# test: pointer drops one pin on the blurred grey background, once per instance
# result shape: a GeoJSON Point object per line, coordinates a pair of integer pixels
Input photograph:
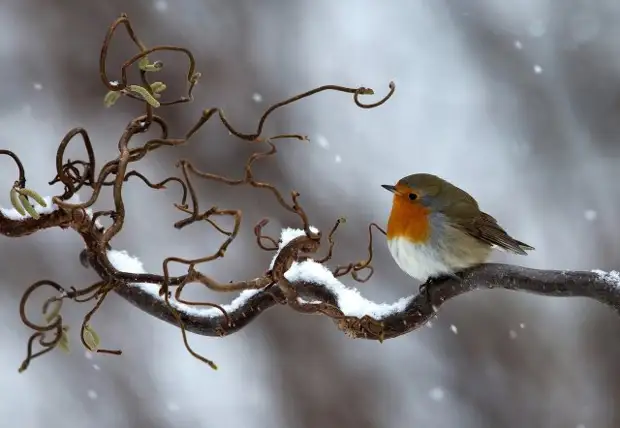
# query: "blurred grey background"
{"type": "Point", "coordinates": [517, 102]}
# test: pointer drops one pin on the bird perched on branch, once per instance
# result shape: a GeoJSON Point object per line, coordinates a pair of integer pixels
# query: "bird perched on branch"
{"type": "Point", "coordinates": [436, 229]}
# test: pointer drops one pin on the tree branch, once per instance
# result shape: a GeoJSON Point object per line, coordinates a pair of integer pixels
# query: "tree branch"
{"type": "Point", "coordinates": [361, 318]}
{"type": "Point", "coordinates": [321, 292]}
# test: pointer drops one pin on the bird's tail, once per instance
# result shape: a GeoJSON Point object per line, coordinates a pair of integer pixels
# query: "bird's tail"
{"type": "Point", "coordinates": [487, 230]}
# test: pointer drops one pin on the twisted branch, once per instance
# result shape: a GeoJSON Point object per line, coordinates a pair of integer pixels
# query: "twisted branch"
{"type": "Point", "coordinates": [296, 278]}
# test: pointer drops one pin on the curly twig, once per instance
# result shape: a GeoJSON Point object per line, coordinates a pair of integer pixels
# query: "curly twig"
{"type": "Point", "coordinates": [21, 178]}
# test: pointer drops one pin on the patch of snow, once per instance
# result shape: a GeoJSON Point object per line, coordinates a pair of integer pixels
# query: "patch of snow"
{"type": "Point", "coordinates": [611, 277]}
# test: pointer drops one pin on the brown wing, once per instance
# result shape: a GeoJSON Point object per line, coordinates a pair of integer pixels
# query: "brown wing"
{"type": "Point", "coordinates": [485, 228]}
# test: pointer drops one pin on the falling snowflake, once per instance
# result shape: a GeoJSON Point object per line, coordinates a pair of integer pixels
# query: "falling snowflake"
{"type": "Point", "coordinates": [518, 45]}
{"type": "Point", "coordinates": [590, 215]}
{"type": "Point", "coordinates": [338, 159]}
{"type": "Point", "coordinates": [92, 394]}
{"type": "Point", "coordinates": [522, 325]}
{"type": "Point", "coordinates": [38, 86]}
{"type": "Point", "coordinates": [256, 97]}
{"type": "Point", "coordinates": [436, 394]}
{"type": "Point", "coordinates": [537, 28]}
{"type": "Point", "coordinates": [454, 329]}
{"type": "Point", "coordinates": [512, 334]}
{"type": "Point", "coordinates": [161, 5]}
{"type": "Point", "coordinates": [173, 407]}
{"type": "Point", "coordinates": [88, 355]}
{"type": "Point", "coordinates": [96, 367]}
{"type": "Point", "coordinates": [322, 141]}
{"type": "Point", "coordinates": [538, 69]}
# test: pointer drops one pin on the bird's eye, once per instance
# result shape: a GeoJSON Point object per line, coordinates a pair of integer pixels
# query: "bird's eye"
{"type": "Point", "coordinates": [413, 196]}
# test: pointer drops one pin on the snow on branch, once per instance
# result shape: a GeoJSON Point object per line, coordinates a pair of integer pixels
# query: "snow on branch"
{"type": "Point", "coordinates": [209, 321]}
{"type": "Point", "coordinates": [297, 278]}
{"type": "Point", "coordinates": [359, 317]}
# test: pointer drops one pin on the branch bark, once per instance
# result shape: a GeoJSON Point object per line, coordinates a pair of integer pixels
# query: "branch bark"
{"type": "Point", "coordinates": [325, 295]}
{"type": "Point", "coordinates": [419, 310]}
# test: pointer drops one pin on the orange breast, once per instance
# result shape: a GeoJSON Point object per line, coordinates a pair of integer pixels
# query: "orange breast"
{"type": "Point", "coordinates": [409, 220]}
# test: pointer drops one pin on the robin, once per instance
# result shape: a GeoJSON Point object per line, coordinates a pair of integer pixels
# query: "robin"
{"type": "Point", "coordinates": [436, 229]}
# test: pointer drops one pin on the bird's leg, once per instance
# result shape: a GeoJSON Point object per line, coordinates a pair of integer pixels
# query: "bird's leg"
{"type": "Point", "coordinates": [425, 288]}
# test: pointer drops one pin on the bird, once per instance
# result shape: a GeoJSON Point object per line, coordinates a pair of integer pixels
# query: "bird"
{"type": "Point", "coordinates": [436, 230]}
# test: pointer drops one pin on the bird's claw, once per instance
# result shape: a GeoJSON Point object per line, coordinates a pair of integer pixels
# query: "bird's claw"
{"type": "Point", "coordinates": [424, 291]}
{"type": "Point", "coordinates": [425, 288]}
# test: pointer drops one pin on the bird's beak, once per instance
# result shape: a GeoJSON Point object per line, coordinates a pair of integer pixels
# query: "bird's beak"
{"type": "Point", "coordinates": [389, 187]}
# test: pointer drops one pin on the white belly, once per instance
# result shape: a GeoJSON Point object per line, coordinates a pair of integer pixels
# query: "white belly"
{"type": "Point", "coordinates": [417, 260]}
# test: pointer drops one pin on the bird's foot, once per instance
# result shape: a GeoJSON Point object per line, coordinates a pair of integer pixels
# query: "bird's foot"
{"type": "Point", "coordinates": [425, 288]}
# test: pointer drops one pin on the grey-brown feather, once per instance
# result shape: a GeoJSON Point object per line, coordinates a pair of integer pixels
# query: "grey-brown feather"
{"type": "Point", "coordinates": [462, 209]}
{"type": "Point", "coordinates": [485, 228]}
